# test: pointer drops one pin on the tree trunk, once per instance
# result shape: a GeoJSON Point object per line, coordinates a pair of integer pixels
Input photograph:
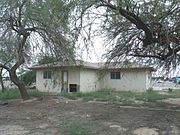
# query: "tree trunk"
{"type": "Point", "coordinates": [19, 84]}
{"type": "Point", "coordinates": [23, 35]}
{"type": "Point", "coordinates": [1, 81]}
{"type": "Point", "coordinates": [20, 61]}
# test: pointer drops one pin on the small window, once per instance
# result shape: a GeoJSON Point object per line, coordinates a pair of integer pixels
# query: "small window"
{"type": "Point", "coordinates": [47, 74]}
{"type": "Point", "coordinates": [115, 75]}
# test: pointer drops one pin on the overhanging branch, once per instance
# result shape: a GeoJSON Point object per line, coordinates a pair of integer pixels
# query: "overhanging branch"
{"type": "Point", "coordinates": [4, 66]}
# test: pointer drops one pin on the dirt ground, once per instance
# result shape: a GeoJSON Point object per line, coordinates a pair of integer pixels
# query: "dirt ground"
{"type": "Point", "coordinates": [58, 116]}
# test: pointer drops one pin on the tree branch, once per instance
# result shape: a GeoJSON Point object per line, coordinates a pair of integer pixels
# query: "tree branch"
{"type": "Point", "coordinates": [20, 13]}
{"type": "Point", "coordinates": [133, 19]}
{"type": "Point", "coordinates": [20, 52]}
{"type": "Point", "coordinates": [146, 56]}
{"type": "Point", "coordinates": [5, 67]}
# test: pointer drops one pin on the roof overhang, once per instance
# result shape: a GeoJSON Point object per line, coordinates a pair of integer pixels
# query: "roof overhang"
{"type": "Point", "coordinates": [88, 65]}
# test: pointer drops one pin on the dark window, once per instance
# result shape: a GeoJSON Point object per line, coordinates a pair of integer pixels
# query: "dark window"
{"type": "Point", "coordinates": [115, 75]}
{"type": "Point", "coordinates": [47, 74]}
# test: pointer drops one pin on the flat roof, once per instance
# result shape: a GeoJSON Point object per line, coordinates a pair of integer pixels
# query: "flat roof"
{"type": "Point", "coordinates": [89, 65]}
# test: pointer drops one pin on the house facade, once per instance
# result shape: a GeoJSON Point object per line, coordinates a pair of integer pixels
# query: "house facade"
{"type": "Point", "coordinates": [88, 77]}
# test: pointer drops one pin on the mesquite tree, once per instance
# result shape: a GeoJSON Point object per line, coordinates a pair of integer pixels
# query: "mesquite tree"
{"type": "Point", "coordinates": [27, 25]}
{"type": "Point", "coordinates": [145, 31]}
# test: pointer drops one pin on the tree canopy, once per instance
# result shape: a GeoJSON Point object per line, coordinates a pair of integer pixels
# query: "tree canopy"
{"type": "Point", "coordinates": [29, 25]}
{"type": "Point", "coordinates": [145, 31]}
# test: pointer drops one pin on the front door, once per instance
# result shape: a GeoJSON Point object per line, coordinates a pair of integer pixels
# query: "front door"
{"type": "Point", "coordinates": [64, 81]}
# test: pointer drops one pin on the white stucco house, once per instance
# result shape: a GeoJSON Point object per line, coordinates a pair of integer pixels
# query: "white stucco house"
{"type": "Point", "coordinates": [87, 77]}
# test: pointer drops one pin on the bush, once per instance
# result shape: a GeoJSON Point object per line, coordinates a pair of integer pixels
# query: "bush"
{"type": "Point", "coordinates": [28, 77]}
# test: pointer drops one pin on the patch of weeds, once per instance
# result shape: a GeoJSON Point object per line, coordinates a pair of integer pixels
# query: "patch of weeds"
{"type": "Point", "coordinates": [153, 96]}
{"type": "Point", "coordinates": [105, 95]}
{"type": "Point", "coordinates": [70, 96]}
{"type": "Point", "coordinates": [75, 129]}
{"type": "Point", "coordinates": [106, 99]}
{"type": "Point", "coordinates": [170, 90]}
{"type": "Point", "coordinates": [150, 96]}
{"type": "Point", "coordinates": [96, 95]}
{"type": "Point", "coordinates": [88, 98]}
{"type": "Point", "coordinates": [35, 93]}
{"type": "Point", "coordinates": [10, 94]}
{"type": "Point", "coordinates": [15, 94]}
{"type": "Point", "coordinates": [125, 97]}
{"type": "Point", "coordinates": [174, 94]}
{"type": "Point", "coordinates": [126, 94]}
{"type": "Point", "coordinates": [150, 89]}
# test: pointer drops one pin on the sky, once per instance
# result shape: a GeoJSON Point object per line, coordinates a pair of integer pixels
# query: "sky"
{"type": "Point", "coordinates": [94, 53]}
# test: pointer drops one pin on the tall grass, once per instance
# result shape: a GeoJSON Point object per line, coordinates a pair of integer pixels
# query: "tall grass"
{"type": "Point", "coordinates": [10, 94]}
{"type": "Point", "coordinates": [151, 96]}
{"type": "Point", "coordinates": [15, 94]}
{"type": "Point", "coordinates": [126, 97]}
{"type": "Point", "coordinates": [98, 95]}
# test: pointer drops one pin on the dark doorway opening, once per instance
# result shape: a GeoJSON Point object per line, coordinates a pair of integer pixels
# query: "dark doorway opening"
{"type": "Point", "coordinates": [73, 88]}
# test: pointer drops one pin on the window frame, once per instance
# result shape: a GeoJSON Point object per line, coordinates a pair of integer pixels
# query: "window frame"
{"type": "Point", "coordinates": [115, 75]}
{"type": "Point", "coordinates": [47, 74]}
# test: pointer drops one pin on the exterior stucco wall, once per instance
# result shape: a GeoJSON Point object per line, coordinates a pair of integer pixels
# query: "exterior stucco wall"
{"type": "Point", "coordinates": [55, 83]}
{"type": "Point", "coordinates": [48, 85]}
{"type": "Point", "coordinates": [148, 79]}
{"type": "Point", "coordinates": [134, 80]}
{"type": "Point", "coordinates": [88, 80]}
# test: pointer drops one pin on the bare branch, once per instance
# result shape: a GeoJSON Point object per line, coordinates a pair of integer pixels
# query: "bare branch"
{"type": "Point", "coordinates": [5, 67]}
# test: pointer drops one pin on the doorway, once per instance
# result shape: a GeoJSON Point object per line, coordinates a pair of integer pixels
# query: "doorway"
{"type": "Point", "coordinates": [64, 81]}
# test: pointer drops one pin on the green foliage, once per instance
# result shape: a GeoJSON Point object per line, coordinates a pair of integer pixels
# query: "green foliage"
{"type": "Point", "coordinates": [10, 94]}
{"type": "Point", "coordinates": [46, 59]}
{"type": "Point", "coordinates": [72, 96]}
{"type": "Point", "coordinates": [134, 30]}
{"type": "Point", "coordinates": [75, 129]}
{"type": "Point", "coordinates": [123, 97]}
{"type": "Point", "coordinates": [98, 95]}
{"type": "Point", "coordinates": [31, 26]}
{"type": "Point", "coordinates": [15, 94]}
{"type": "Point", "coordinates": [174, 93]}
{"type": "Point", "coordinates": [28, 77]}
{"type": "Point", "coordinates": [151, 96]}
{"type": "Point", "coordinates": [47, 23]}
{"type": "Point", "coordinates": [35, 93]}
